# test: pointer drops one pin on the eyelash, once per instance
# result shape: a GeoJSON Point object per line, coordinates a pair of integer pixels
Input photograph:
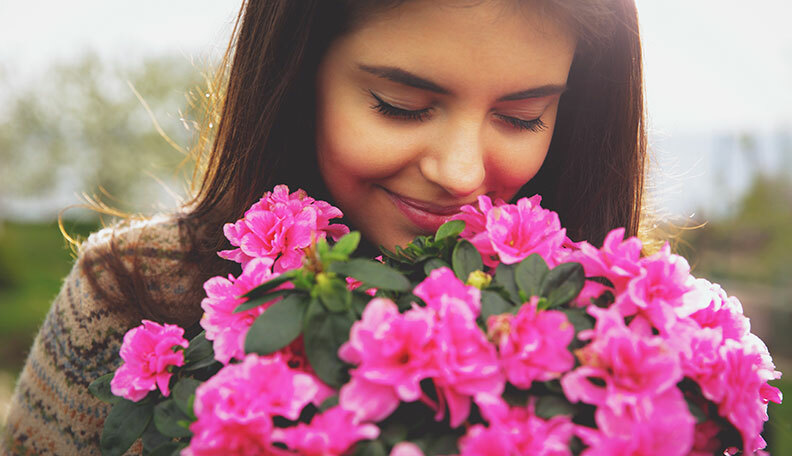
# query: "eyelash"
{"type": "Point", "coordinates": [398, 113]}
{"type": "Point", "coordinates": [388, 110]}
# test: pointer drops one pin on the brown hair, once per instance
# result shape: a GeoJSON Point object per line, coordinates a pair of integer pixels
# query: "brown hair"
{"type": "Point", "coordinates": [260, 131]}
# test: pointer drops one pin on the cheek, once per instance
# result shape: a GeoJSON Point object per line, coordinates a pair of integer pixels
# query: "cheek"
{"type": "Point", "coordinates": [350, 139]}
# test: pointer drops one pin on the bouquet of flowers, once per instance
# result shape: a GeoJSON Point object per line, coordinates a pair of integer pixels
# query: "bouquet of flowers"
{"type": "Point", "coordinates": [497, 335]}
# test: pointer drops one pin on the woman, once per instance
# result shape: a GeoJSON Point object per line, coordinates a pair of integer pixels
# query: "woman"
{"type": "Point", "coordinates": [397, 112]}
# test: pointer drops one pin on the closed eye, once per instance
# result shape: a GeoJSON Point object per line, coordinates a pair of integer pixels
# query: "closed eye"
{"type": "Point", "coordinates": [394, 112]}
{"type": "Point", "coordinates": [534, 125]}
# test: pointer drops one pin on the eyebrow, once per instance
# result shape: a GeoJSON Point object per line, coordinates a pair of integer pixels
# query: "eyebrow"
{"type": "Point", "coordinates": [404, 77]}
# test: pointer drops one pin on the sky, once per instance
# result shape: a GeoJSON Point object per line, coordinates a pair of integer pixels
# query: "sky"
{"type": "Point", "coordinates": [711, 66]}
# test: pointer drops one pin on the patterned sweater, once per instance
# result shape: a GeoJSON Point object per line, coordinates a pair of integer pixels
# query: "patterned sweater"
{"type": "Point", "coordinates": [52, 412]}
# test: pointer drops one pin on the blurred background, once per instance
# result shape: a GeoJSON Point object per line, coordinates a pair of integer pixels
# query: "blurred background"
{"type": "Point", "coordinates": [73, 74]}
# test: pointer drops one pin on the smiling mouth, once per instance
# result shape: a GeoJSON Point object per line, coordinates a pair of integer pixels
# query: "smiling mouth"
{"type": "Point", "coordinates": [426, 216]}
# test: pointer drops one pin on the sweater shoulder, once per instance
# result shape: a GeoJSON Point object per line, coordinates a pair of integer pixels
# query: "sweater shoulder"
{"type": "Point", "coordinates": [144, 265]}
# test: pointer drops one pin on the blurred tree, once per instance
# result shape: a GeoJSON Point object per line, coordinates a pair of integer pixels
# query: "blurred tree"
{"type": "Point", "coordinates": [82, 127]}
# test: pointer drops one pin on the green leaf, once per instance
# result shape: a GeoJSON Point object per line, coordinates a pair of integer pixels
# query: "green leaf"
{"type": "Point", "coordinates": [264, 299]}
{"type": "Point", "coordinates": [434, 263]}
{"type": "Point", "coordinates": [493, 304]}
{"type": "Point", "coordinates": [579, 319]}
{"type": "Point", "coordinates": [504, 276]}
{"type": "Point", "coordinates": [278, 326]}
{"type": "Point", "coordinates": [125, 423]}
{"type": "Point", "coordinates": [335, 295]}
{"type": "Point", "coordinates": [373, 274]}
{"type": "Point", "coordinates": [101, 389]}
{"type": "Point", "coordinates": [393, 431]}
{"type": "Point", "coordinates": [370, 448]}
{"type": "Point", "coordinates": [465, 259]}
{"type": "Point", "coordinates": [563, 283]}
{"type": "Point", "coordinates": [530, 274]}
{"type": "Point", "coordinates": [696, 411]}
{"type": "Point", "coordinates": [432, 444]}
{"type": "Point", "coordinates": [330, 402]}
{"type": "Point", "coordinates": [168, 449]}
{"type": "Point", "coordinates": [449, 229]}
{"type": "Point", "coordinates": [324, 333]}
{"type": "Point", "coordinates": [199, 353]}
{"type": "Point", "coordinates": [167, 418]}
{"type": "Point", "coordinates": [359, 302]}
{"type": "Point", "coordinates": [549, 406]}
{"type": "Point", "coordinates": [152, 438]}
{"type": "Point", "coordinates": [347, 244]}
{"type": "Point", "coordinates": [272, 283]}
{"type": "Point", "coordinates": [183, 392]}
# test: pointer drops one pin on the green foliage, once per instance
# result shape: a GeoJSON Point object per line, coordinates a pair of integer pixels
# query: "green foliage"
{"type": "Point", "coordinates": [125, 424]}
{"type": "Point", "coordinates": [278, 326]}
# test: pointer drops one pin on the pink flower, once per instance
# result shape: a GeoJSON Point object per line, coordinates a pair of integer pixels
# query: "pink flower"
{"type": "Point", "coordinates": [534, 345]}
{"type": "Point", "coordinates": [467, 363]}
{"type": "Point", "coordinates": [617, 261]}
{"type": "Point", "coordinates": [279, 227]}
{"type": "Point", "coordinates": [226, 328]}
{"type": "Point", "coordinates": [295, 357]}
{"type": "Point", "coordinates": [668, 429]}
{"type": "Point", "coordinates": [657, 292]}
{"type": "Point", "coordinates": [705, 441]}
{"type": "Point", "coordinates": [509, 233]}
{"type": "Point", "coordinates": [235, 407]}
{"type": "Point", "coordinates": [393, 353]}
{"type": "Point", "coordinates": [148, 352]}
{"type": "Point", "coordinates": [331, 433]}
{"type": "Point", "coordinates": [354, 284]}
{"type": "Point", "coordinates": [634, 368]}
{"type": "Point", "coordinates": [475, 231]}
{"type": "Point", "coordinates": [717, 310]}
{"type": "Point", "coordinates": [517, 231]}
{"type": "Point", "coordinates": [744, 392]}
{"type": "Point", "coordinates": [516, 430]}
{"type": "Point", "coordinates": [442, 286]}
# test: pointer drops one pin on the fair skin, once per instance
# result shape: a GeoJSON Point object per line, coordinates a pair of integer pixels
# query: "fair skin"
{"type": "Point", "coordinates": [424, 107]}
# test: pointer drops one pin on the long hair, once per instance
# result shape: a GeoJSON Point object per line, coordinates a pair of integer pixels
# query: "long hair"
{"type": "Point", "coordinates": [261, 130]}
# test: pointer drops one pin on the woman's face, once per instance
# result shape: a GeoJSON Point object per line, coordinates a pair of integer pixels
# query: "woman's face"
{"type": "Point", "coordinates": [424, 107]}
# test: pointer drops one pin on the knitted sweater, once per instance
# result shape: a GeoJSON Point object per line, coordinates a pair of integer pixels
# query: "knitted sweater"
{"type": "Point", "coordinates": [52, 412]}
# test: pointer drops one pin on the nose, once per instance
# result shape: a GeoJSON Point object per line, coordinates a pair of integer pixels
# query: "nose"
{"type": "Point", "coordinates": [455, 160]}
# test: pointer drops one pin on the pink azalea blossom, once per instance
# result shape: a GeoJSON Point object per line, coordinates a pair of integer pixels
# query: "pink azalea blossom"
{"type": "Point", "coordinates": [534, 344]}
{"type": "Point", "coordinates": [718, 310]}
{"type": "Point", "coordinates": [617, 261]}
{"type": "Point", "coordinates": [516, 430]}
{"type": "Point", "coordinates": [705, 441]}
{"type": "Point", "coordinates": [235, 407]}
{"type": "Point", "coordinates": [467, 363]}
{"type": "Point", "coordinates": [657, 292]}
{"type": "Point", "coordinates": [519, 230]}
{"type": "Point", "coordinates": [634, 368]}
{"type": "Point", "coordinates": [354, 284]}
{"type": "Point", "coordinates": [331, 433]}
{"type": "Point", "coordinates": [668, 429]}
{"type": "Point", "coordinates": [279, 227]}
{"type": "Point", "coordinates": [393, 353]}
{"type": "Point", "coordinates": [224, 327]}
{"type": "Point", "coordinates": [148, 352]}
{"type": "Point", "coordinates": [443, 286]}
{"type": "Point", "coordinates": [475, 231]}
{"type": "Point", "coordinates": [744, 392]}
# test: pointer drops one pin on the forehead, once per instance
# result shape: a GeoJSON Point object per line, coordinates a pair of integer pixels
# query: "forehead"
{"type": "Point", "coordinates": [464, 44]}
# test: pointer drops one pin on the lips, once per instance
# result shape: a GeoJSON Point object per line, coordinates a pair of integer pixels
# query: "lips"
{"type": "Point", "coordinates": [426, 216]}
